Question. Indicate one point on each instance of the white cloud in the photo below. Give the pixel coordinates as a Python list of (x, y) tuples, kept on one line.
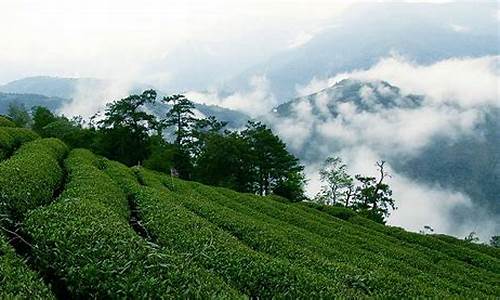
[(468, 82), (90, 98), (255, 102), (110, 38), (457, 94)]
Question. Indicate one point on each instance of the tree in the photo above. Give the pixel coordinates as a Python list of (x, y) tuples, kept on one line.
[(271, 162), (201, 130), (125, 128), (292, 187), (161, 155), (42, 116), (181, 116), (225, 160), (71, 132), (495, 241), (338, 184), (472, 237), (373, 195), (19, 115)]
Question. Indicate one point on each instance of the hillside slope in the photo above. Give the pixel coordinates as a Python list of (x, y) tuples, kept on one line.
[(89, 227)]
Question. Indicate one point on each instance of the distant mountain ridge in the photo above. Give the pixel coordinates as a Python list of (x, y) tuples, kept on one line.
[(55, 92), (369, 32), (468, 163), (380, 94)]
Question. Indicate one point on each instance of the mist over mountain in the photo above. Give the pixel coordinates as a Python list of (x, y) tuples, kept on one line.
[(422, 32), (86, 96), (440, 152)]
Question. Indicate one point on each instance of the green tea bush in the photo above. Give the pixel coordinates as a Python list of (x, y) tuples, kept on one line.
[(85, 239), (467, 255), (287, 242), (11, 138), (343, 213), (6, 144), (485, 249), (391, 266), (5, 122), (389, 256), (29, 178), (263, 277), (428, 271), (21, 135), (176, 227), (17, 281)]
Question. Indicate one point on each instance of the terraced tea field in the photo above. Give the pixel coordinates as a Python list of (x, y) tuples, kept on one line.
[(76, 225)]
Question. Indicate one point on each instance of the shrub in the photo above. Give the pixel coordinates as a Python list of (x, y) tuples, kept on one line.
[(12, 138), (286, 242), (85, 238), (422, 271), (397, 257), (17, 281), (30, 177), (176, 227), (21, 135), (6, 122), (340, 212), (485, 249)]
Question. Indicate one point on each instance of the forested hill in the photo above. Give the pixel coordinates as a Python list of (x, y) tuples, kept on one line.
[(77, 225)]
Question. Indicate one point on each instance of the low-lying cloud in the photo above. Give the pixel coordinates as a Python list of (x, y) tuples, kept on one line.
[(255, 102), (457, 93), (90, 97)]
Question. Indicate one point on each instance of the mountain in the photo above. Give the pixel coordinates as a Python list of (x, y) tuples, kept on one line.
[(382, 96), (30, 100), (94, 228), (438, 144), (57, 93), (51, 86), (368, 32)]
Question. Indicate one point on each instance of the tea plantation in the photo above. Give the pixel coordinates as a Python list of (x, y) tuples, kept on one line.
[(76, 225)]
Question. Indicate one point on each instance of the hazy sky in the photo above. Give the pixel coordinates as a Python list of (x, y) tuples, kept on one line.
[(97, 38), (140, 39)]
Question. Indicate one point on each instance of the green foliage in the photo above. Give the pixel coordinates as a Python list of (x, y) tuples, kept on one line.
[(42, 117), (225, 161), (5, 122), (30, 177), (204, 242), (85, 237), (311, 239), (17, 281), (125, 128), (337, 211), (371, 197), (19, 115), (263, 277), (70, 132), (478, 256), (271, 163), (180, 116), (12, 138), (483, 249), (162, 155), (338, 184)]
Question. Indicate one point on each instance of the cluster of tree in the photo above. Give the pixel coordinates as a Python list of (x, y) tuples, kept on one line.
[(252, 160), (369, 196)]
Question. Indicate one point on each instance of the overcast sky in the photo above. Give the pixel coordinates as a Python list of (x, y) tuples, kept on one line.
[(104, 38)]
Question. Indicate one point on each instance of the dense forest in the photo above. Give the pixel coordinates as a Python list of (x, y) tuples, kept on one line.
[(250, 160)]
